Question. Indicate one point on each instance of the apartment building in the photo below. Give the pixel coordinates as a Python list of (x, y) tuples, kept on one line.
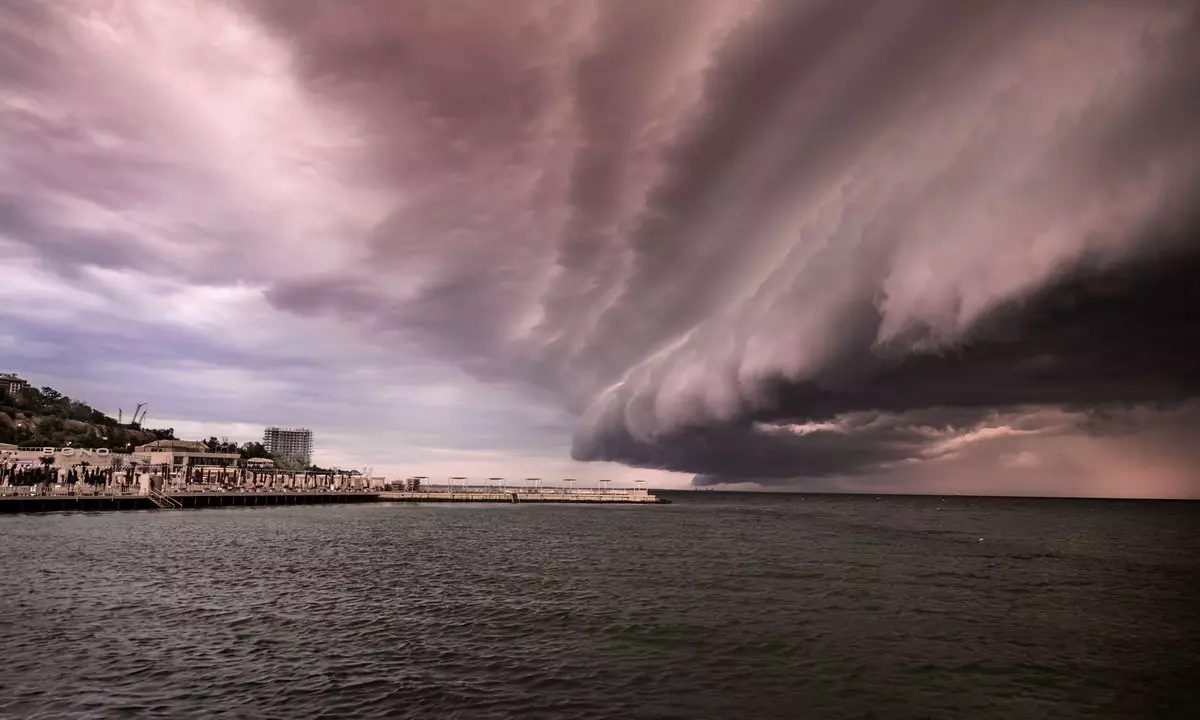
[(294, 444)]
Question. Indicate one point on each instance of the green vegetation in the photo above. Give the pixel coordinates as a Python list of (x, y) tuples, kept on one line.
[(48, 418), (246, 450)]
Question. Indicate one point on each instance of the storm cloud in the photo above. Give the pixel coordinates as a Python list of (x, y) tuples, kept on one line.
[(772, 241)]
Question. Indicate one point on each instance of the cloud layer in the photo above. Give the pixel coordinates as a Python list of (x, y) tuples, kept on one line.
[(777, 241)]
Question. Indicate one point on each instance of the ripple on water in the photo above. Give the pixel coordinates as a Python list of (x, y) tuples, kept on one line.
[(726, 606)]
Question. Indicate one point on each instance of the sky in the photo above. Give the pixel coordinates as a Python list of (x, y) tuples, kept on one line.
[(917, 246)]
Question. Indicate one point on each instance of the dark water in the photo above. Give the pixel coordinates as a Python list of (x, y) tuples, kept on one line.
[(722, 606)]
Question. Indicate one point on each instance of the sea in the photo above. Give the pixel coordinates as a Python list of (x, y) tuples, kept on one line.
[(719, 605)]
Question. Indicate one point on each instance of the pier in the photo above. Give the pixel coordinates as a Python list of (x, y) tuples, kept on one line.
[(523, 496)]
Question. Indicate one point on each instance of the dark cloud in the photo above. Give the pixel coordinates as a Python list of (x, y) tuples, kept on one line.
[(1041, 455), (1099, 342), (768, 240), (1119, 334), (821, 212)]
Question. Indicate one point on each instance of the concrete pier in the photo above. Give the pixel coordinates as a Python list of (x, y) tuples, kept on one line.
[(66, 503), (524, 496), (242, 499)]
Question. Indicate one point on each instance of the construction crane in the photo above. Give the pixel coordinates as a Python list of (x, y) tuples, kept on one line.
[(137, 410)]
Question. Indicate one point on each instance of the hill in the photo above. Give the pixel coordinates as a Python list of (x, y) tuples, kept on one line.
[(33, 417), (45, 417)]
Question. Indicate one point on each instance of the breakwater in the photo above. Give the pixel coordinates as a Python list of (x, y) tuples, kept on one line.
[(523, 496), (33, 503)]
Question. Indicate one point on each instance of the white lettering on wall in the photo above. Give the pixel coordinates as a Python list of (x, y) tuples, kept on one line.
[(68, 452)]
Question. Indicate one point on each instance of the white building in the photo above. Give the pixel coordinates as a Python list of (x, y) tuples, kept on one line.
[(62, 458), (295, 444), (12, 385), (182, 455)]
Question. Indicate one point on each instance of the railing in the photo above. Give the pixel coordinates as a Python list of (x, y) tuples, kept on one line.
[(60, 491), (518, 497), (507, 490), (128, 491), (197, 489), (166, 502)]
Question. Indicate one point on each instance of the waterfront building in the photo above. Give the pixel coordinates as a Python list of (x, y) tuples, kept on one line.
[(181, 455), (62, 458), (176, 455), (290, 444)]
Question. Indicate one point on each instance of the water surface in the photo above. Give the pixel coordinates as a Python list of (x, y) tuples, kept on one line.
[(717, 606)]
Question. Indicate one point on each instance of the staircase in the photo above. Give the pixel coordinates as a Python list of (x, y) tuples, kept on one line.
[(166, 502)]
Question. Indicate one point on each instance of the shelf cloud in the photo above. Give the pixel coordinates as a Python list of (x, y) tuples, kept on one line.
[(803, 244)]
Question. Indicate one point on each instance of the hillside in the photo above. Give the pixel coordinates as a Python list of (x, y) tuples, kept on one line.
[(46, 417)]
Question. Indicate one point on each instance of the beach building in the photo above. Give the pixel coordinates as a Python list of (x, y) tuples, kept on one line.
[(61, 458), (176, 455), (294, 444), (183, 455)]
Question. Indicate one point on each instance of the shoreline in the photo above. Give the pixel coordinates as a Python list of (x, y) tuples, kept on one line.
[(22, 504)]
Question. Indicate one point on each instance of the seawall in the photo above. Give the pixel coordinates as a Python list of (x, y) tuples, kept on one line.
[(64, 503)]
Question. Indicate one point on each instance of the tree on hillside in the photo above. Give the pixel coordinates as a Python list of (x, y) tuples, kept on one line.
[(51, 402), (252, 450), (49, 432), (221, 446), (47, 417), (79, 411)]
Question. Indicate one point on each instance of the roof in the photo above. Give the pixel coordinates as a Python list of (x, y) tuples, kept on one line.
[(188, 445)]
